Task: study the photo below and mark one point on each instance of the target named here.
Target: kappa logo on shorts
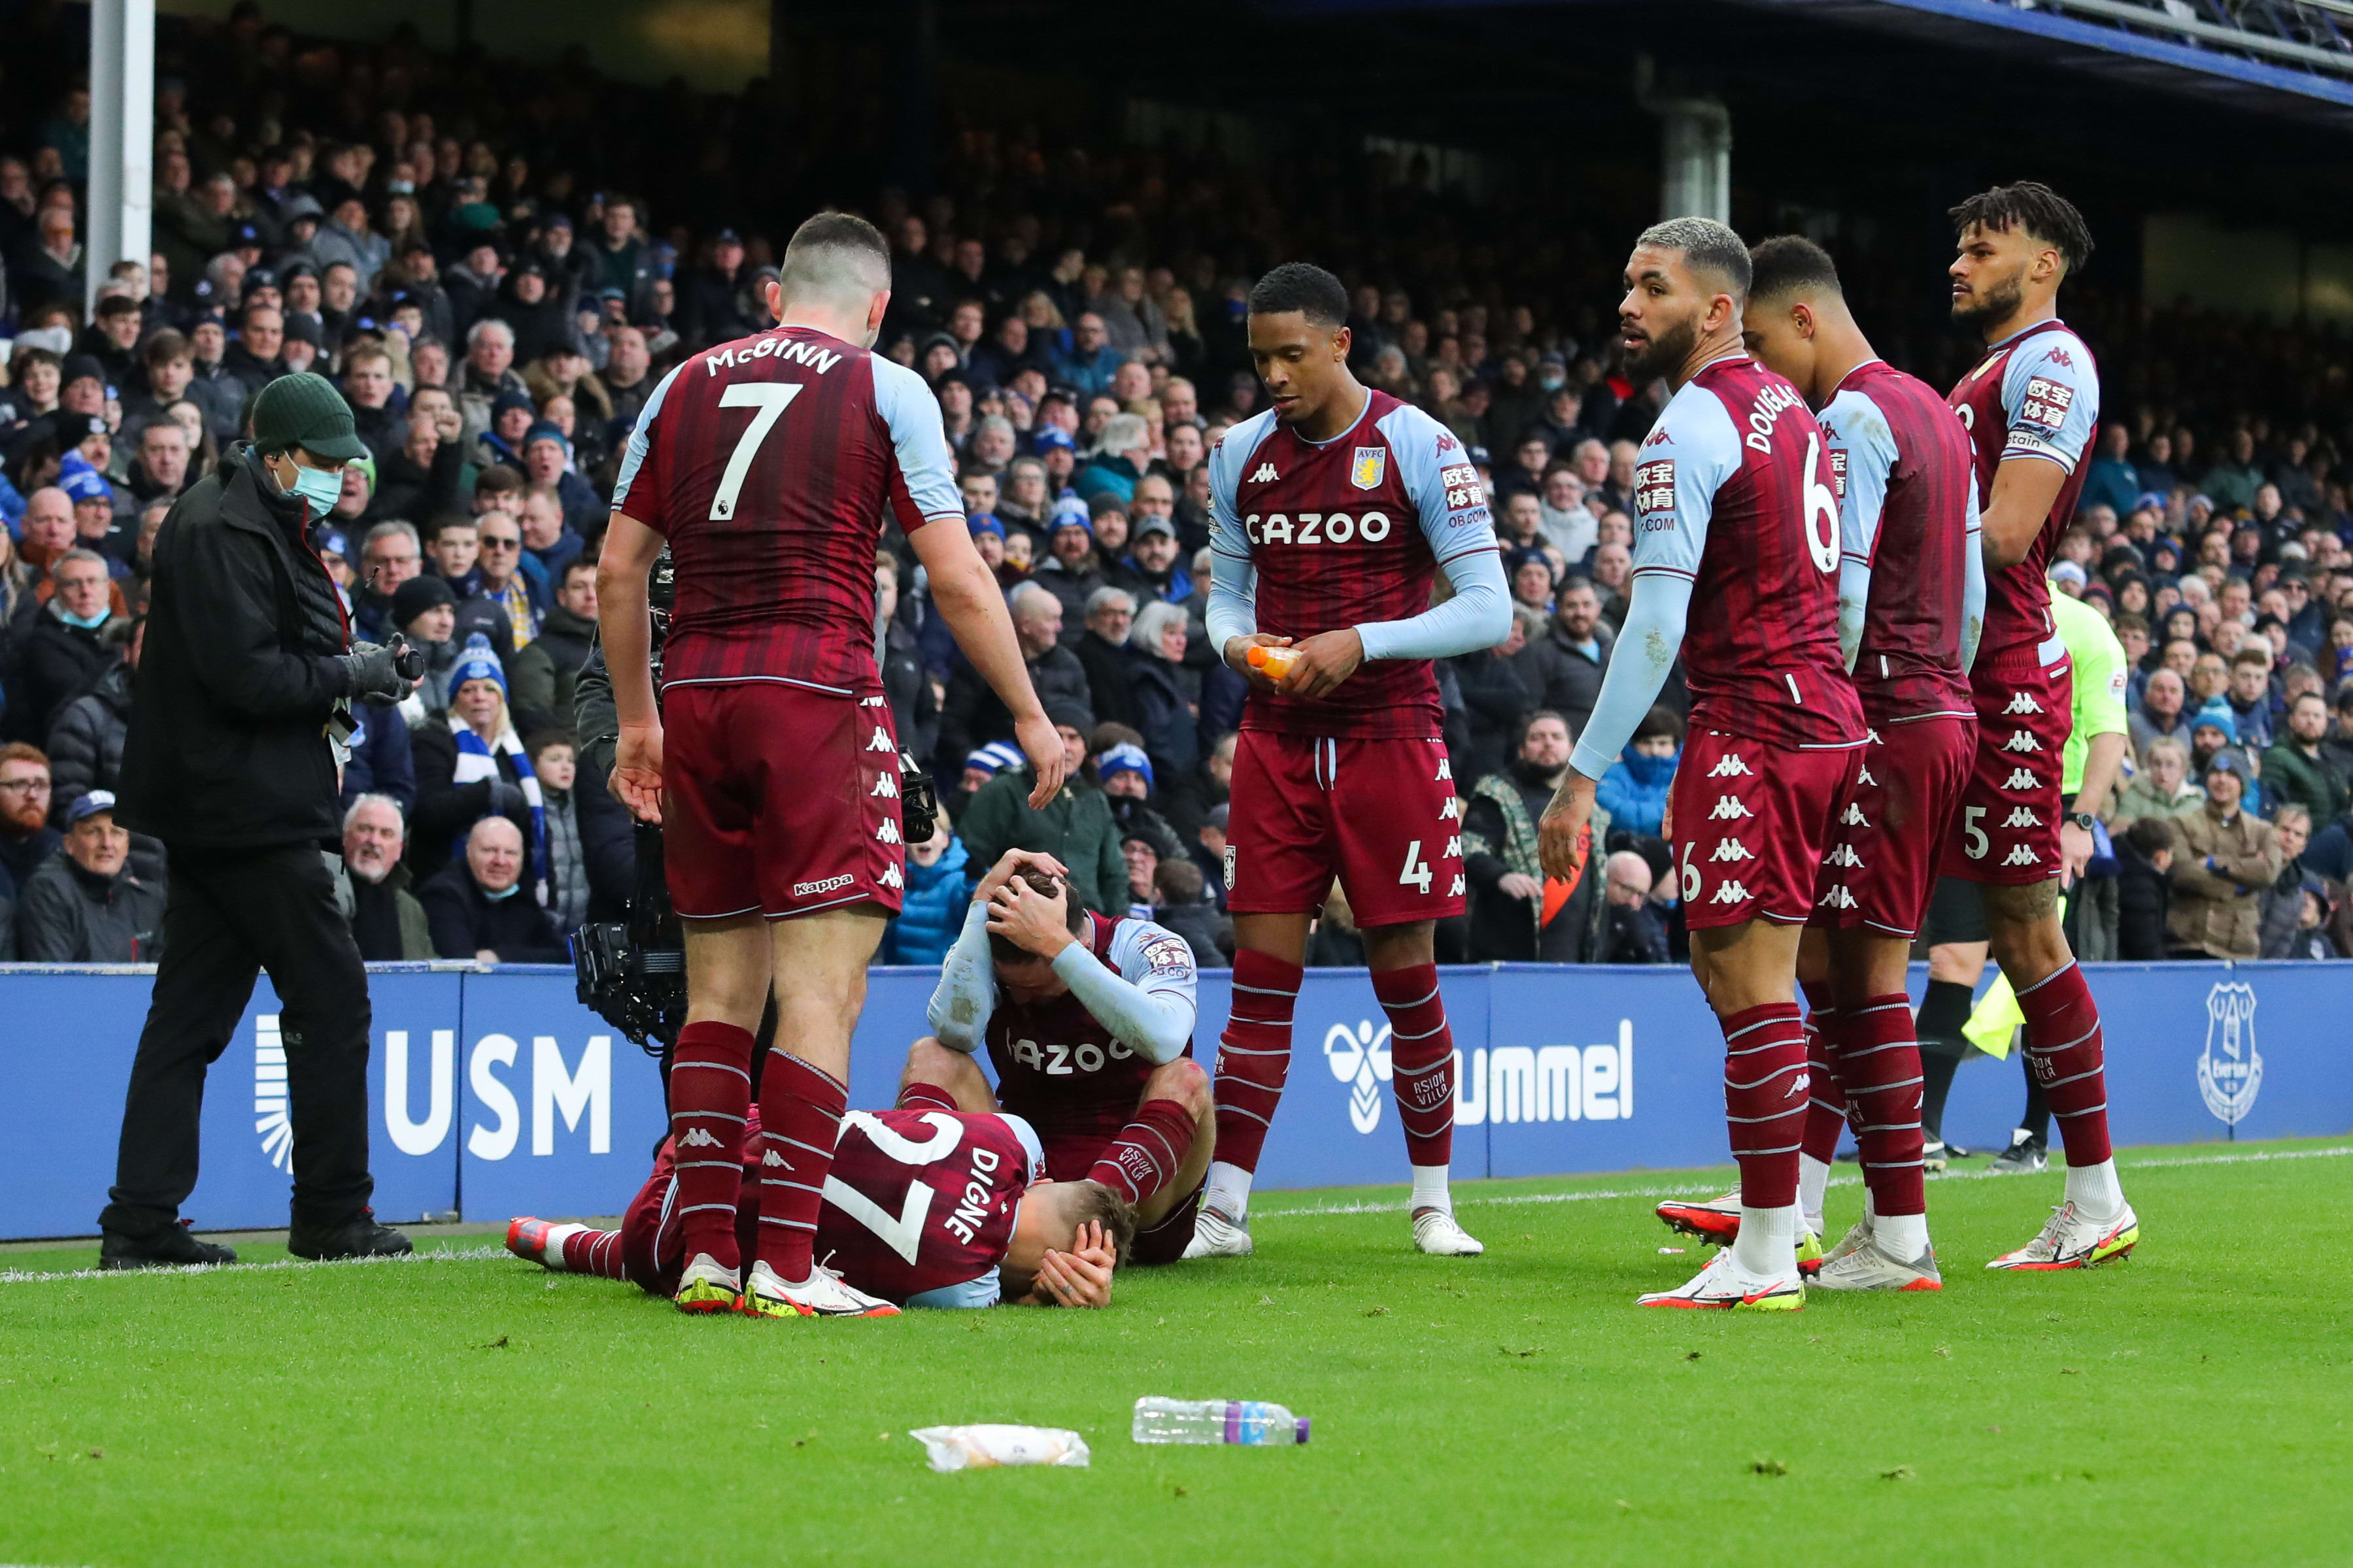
(1871, 737)
(2020, 779)
(1731, 892)
(1838, 898)
(1844, 855)
(2022, 704)
(1728, 809)
(2019, 854)
(1451, 811)
(885, 787)
(1454, 890)
(886, 832)
(1852, 816)
(879, 742)
(1733, 849)
(2021, 817)
(874, 702)
(811, 889)
(1729, 767)
(2021, 741)
(1453, 848)
(891, 878)
(1445, 769)
(1863, 776)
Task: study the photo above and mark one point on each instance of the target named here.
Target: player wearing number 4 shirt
(2031, 406)
(1330, 516)
(1736, 566)
(1911, 596)
(767, 466)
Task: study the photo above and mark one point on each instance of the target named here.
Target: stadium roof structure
(2293, 56)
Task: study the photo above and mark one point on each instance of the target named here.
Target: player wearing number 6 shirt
(2031, 406)
(1330, 516)
(1911, 596)
(1735, 565)
(924, 1207)
(768, 464)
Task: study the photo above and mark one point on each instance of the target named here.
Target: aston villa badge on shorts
(1371, 463)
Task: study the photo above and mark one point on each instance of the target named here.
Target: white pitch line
(1685, 1189)
(1320, 1211)
(462, 1255)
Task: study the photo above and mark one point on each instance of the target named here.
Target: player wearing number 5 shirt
(767, 465)
(1331, 515)
(1735, 565)
(1911, 598)
(2031, 406)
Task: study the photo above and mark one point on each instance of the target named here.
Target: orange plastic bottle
(1275, 661)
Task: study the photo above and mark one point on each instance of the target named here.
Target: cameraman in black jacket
(242, 699)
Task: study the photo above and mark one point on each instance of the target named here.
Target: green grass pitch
(2190, 1406)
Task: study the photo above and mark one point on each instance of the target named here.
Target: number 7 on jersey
(771, 398)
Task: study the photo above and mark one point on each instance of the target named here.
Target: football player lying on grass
(924, 1207)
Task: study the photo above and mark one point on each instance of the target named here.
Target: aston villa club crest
(1372, 463)
(2229, 1071)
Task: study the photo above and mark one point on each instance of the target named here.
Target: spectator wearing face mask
(84, 905)
(65, 651)
(1635, 788)
(480, 907)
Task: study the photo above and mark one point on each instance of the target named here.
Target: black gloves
(372, 673)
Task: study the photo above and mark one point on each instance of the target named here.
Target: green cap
(306, 410)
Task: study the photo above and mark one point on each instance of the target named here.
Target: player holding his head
(2031, 407)
(1911, 595)
(923, 1207)
(1738, 523)
(766, 465)
(1088, 1020)
(1331, 514)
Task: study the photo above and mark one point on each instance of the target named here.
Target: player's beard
(1992, 303)
(1662, 354)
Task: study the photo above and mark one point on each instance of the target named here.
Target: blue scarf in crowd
(477, 761)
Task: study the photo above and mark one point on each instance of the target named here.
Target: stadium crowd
(457, 247)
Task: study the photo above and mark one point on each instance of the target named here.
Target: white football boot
(2073, 1239)
(1215, 1235)
(1435, 1232)
(1724, 1287)
(822, 1295)
(1870, 1267)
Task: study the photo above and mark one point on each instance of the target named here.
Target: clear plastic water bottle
(1250, 1422)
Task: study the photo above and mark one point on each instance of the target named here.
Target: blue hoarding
(496, 1093)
